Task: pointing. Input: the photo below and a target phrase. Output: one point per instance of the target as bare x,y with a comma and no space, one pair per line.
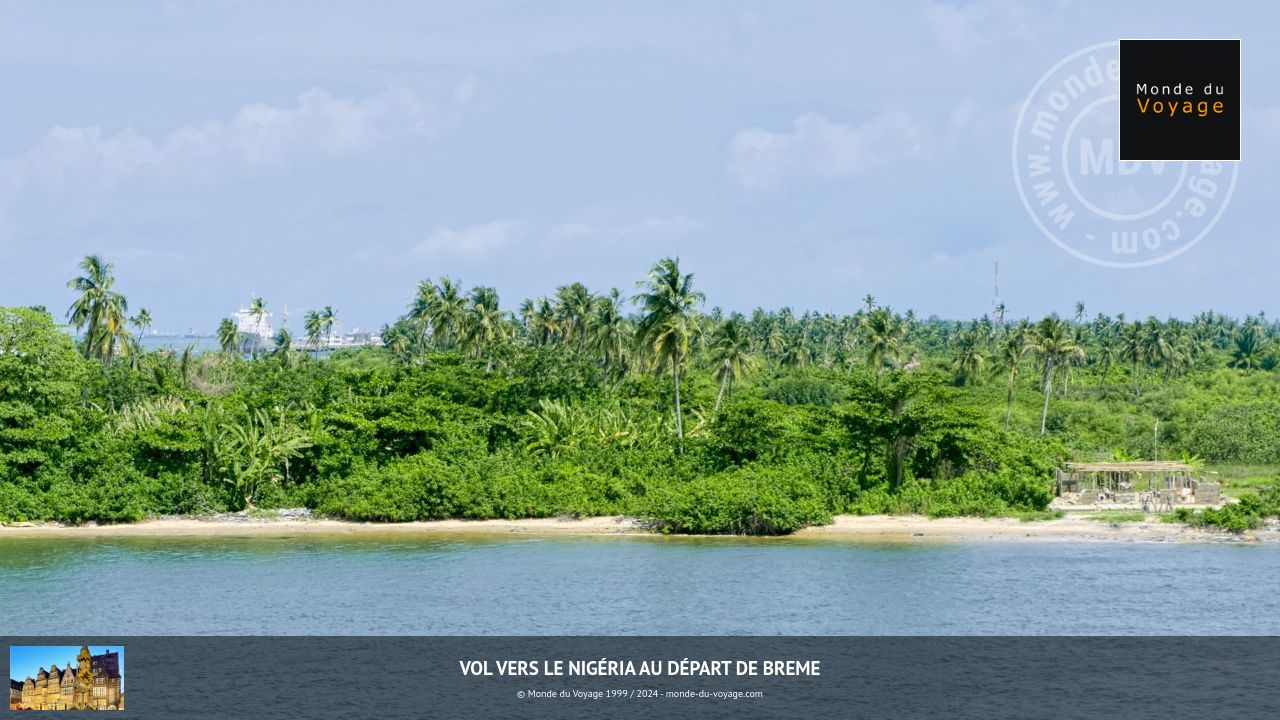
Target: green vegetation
1250,513
588,403
1117,516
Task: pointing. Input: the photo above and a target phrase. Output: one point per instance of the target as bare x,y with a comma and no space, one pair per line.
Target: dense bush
1248,514
976,494
742,501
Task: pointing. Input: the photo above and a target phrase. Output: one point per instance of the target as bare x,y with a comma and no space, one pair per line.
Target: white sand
909,528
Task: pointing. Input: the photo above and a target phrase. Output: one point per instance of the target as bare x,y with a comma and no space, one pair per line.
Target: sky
27,660
791,154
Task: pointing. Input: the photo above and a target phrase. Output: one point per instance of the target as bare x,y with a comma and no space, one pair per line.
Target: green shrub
805,391
1248,514
742,501
978,494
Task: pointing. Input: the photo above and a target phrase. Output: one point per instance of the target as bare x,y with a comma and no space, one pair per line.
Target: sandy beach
872,528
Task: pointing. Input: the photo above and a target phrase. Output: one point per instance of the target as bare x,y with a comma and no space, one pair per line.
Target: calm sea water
381,585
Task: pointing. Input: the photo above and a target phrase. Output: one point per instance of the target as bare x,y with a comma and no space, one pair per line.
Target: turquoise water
383,585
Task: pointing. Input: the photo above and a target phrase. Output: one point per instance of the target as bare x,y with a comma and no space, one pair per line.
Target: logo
1082,196
1180,99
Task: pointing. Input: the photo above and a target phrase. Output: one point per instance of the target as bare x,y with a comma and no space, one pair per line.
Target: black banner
692,677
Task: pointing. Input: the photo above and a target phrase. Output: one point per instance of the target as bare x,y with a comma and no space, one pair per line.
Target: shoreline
850,528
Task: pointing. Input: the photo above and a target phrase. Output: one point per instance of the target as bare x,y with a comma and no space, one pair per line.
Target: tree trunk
1008,412
675,374
1048,390
724,382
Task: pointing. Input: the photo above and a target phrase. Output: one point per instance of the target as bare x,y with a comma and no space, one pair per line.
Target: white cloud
257,135
476,241
817,147
1264,121
954,27
647,229
962,28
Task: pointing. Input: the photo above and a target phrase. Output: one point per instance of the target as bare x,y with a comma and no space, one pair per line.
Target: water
629,585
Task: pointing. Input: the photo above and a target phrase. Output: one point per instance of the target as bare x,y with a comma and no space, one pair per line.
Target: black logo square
1179,99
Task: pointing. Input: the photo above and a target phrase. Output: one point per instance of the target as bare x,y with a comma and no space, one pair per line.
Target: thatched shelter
1174,481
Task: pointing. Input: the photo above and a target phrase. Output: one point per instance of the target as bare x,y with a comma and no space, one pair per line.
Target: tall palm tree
542,324
574,305
608,331
1250,348
731,355
395,340
99,310
485,324
1011,350
313,325
1052,341
258,310
142,321
970,358
228,336
1134,349
328,319
668,304
1107,349
448,313
883,334
283,350
422,309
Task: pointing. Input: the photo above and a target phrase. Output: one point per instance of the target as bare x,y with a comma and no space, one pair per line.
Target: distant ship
254,328
257,331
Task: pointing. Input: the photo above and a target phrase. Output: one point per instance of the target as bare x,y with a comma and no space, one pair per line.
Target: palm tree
541,322
1080,311
883,333
1052,341
258,311
142,321
313,325
283,350
574,304
1011,350
421,309
99,310
1134,349
608,330
228,336
1108,350
1251,348
328,318
970,360
448,313
730,353
668,304
485,324
396,340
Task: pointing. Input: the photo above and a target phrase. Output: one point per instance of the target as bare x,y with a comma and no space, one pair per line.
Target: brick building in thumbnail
91,683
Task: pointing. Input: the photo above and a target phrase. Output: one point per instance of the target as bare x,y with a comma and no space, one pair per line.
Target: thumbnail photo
64,677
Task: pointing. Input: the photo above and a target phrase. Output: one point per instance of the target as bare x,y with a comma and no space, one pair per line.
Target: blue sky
800,154
26,660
